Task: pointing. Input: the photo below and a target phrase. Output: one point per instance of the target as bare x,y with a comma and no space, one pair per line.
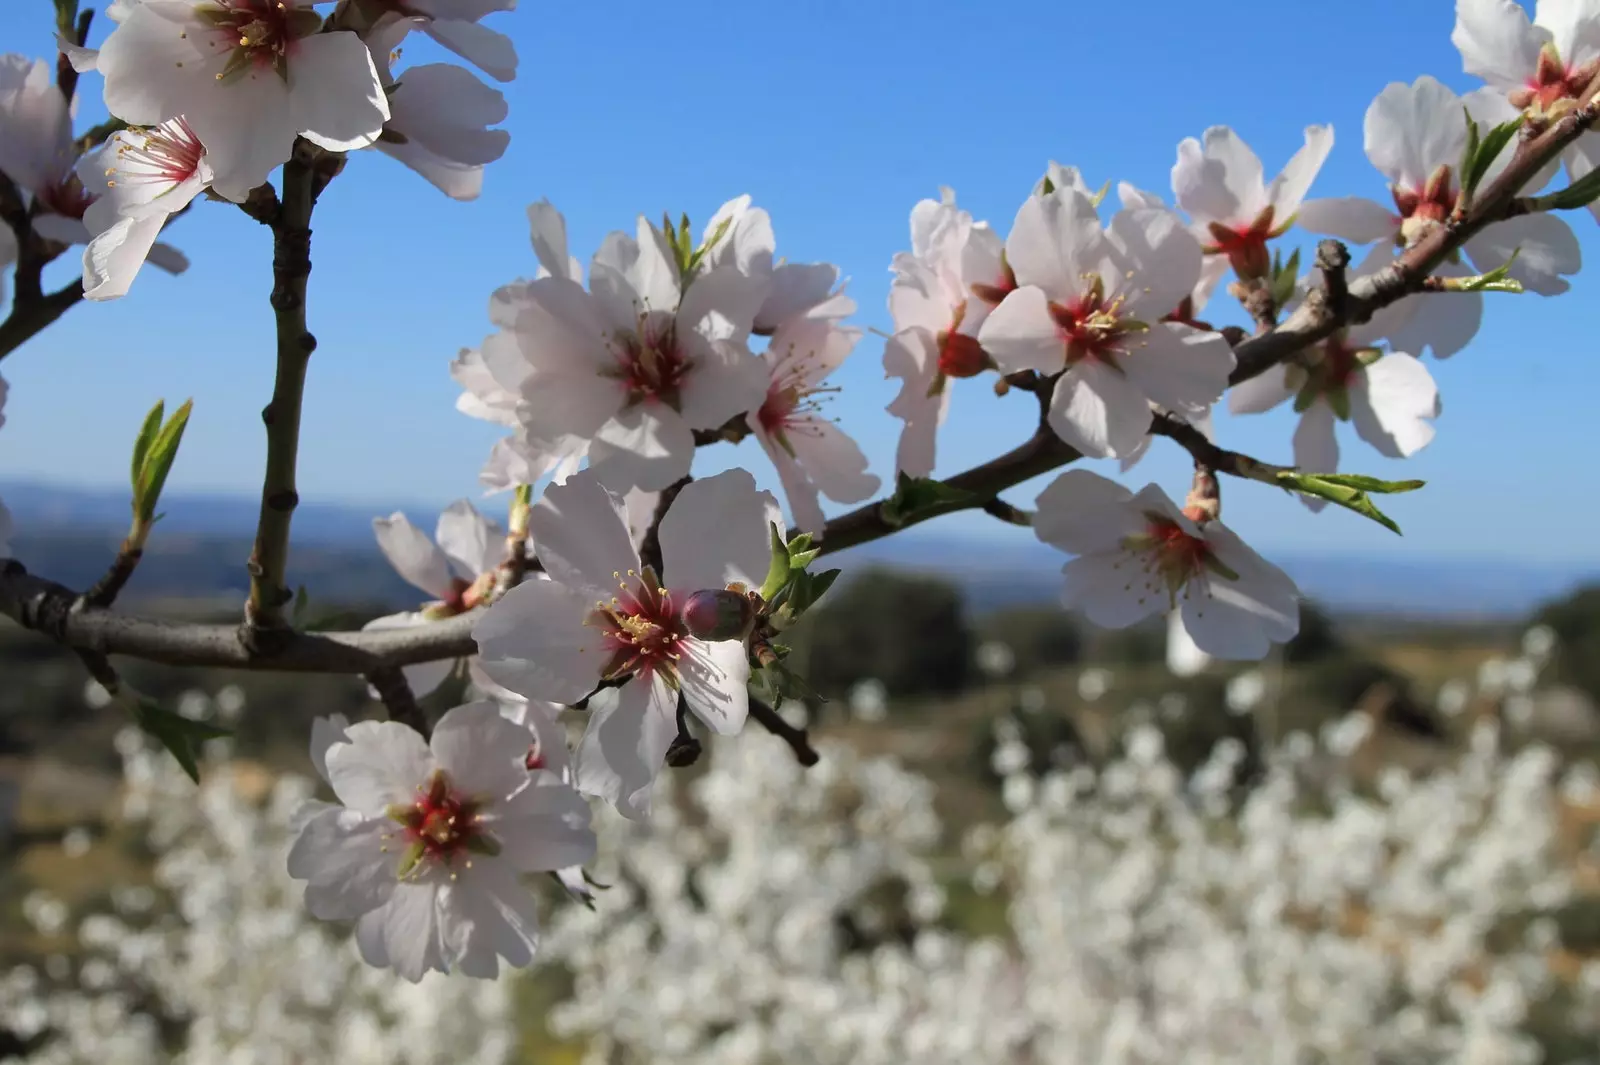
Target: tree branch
798,739
395,693
32,316
1212,457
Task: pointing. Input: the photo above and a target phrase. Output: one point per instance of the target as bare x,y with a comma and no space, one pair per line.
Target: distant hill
202,543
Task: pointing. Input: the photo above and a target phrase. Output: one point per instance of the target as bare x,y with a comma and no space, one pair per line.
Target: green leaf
1284,279
67,17
779,569
1349,491
1046,186
1474,139
917,496
810,587
1497,280
141,446
1100,197
1488,150
1580,193
163,450
176,733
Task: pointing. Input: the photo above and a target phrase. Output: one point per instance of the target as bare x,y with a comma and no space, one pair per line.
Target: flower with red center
813,456
943,289
1415,136
1089,313
1140,555
559,640
635,364
426,846
1234,210
248,76
1541,65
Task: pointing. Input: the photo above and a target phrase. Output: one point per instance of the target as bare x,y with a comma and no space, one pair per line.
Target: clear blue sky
836,117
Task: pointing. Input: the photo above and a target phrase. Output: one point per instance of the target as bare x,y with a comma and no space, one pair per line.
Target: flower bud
962,356
718,614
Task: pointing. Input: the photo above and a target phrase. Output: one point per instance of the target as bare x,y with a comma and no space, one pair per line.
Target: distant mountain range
69,534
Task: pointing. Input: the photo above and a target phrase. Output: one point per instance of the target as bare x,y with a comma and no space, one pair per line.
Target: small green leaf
1348,491
1046,186
917,496
1100,197
1497,280
810,588
1474,139
1580,193
779,569
1488,150
1339,400
147,435
178,734
158,462
799,560
1284,279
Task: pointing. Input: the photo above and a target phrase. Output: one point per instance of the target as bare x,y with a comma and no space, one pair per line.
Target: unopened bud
718,614
962,356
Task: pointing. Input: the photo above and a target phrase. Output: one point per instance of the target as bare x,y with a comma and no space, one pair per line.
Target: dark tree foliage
1575,619
1041,637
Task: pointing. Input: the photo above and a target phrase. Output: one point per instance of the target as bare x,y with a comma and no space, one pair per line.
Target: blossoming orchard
625,592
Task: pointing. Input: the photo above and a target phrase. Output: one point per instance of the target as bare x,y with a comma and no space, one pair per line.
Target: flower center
1425,208
67,198
1246,246
643,631
1554,88
1092,327
993,292
169,154
1169,559
650,362
257,33
440,828
1327,372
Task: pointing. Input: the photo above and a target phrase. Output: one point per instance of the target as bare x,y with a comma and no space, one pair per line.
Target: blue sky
836,117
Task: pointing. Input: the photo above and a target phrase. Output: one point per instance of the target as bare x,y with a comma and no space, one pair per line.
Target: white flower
425,848
248,75
1140,555
1415,136
454,24
37,150
454,571
1542,66
636,363
140,177
1092,302
811,453
943,289
1389,397
604,616
439,115
1221,186
744,238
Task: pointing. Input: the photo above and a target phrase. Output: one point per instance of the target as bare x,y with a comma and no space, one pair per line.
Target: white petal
383,763
1111,590
542,829
805,502
716,680
833,461
113,257
488,50
1352,218
1497,42
726,381
471,542
913,357
1289,188
1163,257
581,536
407,927
1219,181
446,110
481,751
1316,446
1054,240
1020,334
334,93
1393,403
1260,393
1082,513
1180,367
414,556
718,531
548,232
648,446
533,640
1445,322
1545,246
325,732
1241,619
340,853
1574,28
1098,410
1411,130
626,744
486,916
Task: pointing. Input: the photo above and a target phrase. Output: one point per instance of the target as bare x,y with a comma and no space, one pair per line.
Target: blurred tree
1040,637
1575,619
1318,638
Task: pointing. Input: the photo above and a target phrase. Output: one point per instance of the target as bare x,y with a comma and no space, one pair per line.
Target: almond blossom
454,25
943,289
1220,184
248,76
635,363
457,571
426,846
139,179
1388,395
1090,309
439,115
1140,555
1542,66
1415,136
741,235
811,453
605,617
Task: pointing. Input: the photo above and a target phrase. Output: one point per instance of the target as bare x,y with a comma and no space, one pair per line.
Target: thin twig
1333,258
798,739
650,548
394,691
1210,456
104,592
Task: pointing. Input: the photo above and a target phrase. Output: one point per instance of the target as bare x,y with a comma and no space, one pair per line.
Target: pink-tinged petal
472,543
334,93
1099,410
1083,513
1054,240
581,537
533,641
718,531
1261,393
913,357
383,763
1163,257
153,70
625,745
1497,42
488,50
543,829
1393,404
1180,367
806,350
1351,218
804,499
1412,130
482,751
325,732
648,446
833,461
424,677
1289,188
726,381
341,855
1574,28
547,230
1316,446
1220,180
1545,249
405,932
1021,335
716,682
1240,619
413,556
1112,591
